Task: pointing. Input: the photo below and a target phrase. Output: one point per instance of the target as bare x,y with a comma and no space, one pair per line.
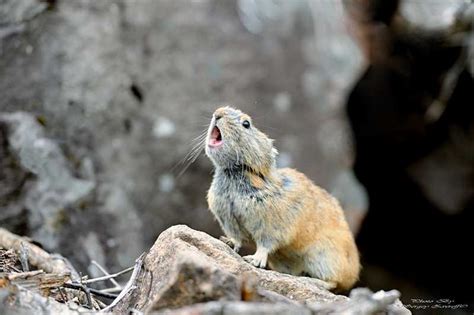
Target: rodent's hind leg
259,259
234,244
283,264
328,285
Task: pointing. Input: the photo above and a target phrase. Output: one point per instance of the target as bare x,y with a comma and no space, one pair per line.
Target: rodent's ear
274,152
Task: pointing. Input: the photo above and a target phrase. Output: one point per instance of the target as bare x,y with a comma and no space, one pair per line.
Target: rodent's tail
329,285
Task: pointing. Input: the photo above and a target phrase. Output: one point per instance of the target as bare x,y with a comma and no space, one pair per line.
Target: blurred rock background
121,88
101,100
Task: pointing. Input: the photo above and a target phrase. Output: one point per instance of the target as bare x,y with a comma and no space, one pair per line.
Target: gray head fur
242,143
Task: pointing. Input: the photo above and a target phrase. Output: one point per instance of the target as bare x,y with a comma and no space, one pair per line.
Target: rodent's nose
219,113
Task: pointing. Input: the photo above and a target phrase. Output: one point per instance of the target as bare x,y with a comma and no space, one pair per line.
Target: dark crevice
51,4
137,92
127,125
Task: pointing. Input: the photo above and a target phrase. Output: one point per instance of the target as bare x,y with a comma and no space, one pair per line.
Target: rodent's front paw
231,243
259,261
236,248
226,240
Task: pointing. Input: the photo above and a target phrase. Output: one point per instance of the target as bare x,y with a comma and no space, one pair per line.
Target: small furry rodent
297,227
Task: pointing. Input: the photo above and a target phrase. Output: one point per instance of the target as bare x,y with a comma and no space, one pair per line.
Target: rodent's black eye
246,124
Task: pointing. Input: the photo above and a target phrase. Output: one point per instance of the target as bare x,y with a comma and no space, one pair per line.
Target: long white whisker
192,154
200,137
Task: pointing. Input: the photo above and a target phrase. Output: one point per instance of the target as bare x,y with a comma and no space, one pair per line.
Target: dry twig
8,260
79,286
130,284
24,257
36,256
108,277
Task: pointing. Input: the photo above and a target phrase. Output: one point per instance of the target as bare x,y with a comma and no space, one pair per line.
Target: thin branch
36,256
13,276
109,276
112,290
101,304
79,286
23,256
86,290
130,284
74,273
63,297
105,272
103,294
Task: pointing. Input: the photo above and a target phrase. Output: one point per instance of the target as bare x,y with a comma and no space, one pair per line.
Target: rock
17,300
364,301
36,256
186,267
258,308
431,14
19,11
238,308
192,281
12,178
55,186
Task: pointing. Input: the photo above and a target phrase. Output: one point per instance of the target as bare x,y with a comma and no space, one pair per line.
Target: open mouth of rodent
215,139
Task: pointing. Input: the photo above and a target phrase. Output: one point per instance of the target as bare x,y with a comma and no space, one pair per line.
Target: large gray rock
187,267
19,11
55,187
238,308
16,300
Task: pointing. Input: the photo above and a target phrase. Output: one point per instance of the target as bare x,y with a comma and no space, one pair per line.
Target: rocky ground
185,272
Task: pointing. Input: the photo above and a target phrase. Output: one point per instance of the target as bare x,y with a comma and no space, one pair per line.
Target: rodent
298,228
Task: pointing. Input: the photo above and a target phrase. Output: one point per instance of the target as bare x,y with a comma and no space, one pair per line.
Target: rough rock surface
238,308
19,301
186,267
55,186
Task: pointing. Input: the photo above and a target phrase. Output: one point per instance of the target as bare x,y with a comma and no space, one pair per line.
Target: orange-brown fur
298,227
